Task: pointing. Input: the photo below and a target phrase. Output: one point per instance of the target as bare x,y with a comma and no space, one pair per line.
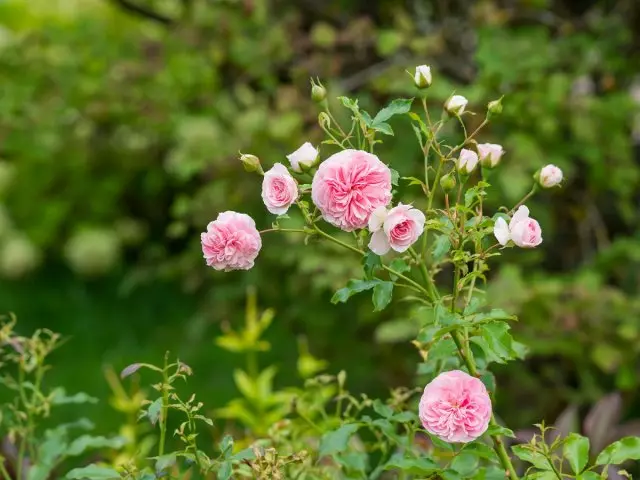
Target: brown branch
141,11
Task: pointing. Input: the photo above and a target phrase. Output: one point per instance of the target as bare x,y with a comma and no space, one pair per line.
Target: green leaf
588,476
576,451
246,454
353,287
618,452
370,263
414,466
494,430
225,471
440,248
387,130
398,106
544,475
88,442
465,463
444,349
164,462
226,446
395,176
381,409
337,440
350,104
400,266
353,461
154,410
382,293
93,472
59,397
537,459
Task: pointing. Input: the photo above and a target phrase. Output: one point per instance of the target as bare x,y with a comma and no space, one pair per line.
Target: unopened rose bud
422,77
456,105
303,158
318,92
490,154
494,108
251,163
448,182
467,161
549,176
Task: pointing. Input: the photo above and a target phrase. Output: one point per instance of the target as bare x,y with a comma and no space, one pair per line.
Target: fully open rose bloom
231,242
348,186
524,231
455,407
399,228
279,189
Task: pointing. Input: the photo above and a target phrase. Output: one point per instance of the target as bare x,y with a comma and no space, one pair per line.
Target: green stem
292,230
425,274
3,470
534,189
473,134
360,252
165,405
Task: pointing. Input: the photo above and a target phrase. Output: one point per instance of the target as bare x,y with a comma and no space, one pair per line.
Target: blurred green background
120,125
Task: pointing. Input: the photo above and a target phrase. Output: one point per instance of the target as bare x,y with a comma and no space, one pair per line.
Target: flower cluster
352,190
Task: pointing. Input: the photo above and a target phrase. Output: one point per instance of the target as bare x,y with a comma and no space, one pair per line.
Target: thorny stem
473,134
534,189
467,357
165,405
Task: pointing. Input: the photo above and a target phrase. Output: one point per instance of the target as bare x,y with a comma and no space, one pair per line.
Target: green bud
495,107
251,163
448,182
318,92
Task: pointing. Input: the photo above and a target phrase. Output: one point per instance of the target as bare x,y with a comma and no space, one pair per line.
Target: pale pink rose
279,189
348,186
550,176
467,161
455,407
524,231
303,157
490,154
399,228
231,242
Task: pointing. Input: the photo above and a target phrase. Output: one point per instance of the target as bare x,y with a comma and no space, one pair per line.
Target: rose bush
460,335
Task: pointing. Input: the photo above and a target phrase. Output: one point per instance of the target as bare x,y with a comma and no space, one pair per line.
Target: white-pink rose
231,242
467,161
303,157
397,229
455,407
279,189
490,154
550,176
522,230
348,186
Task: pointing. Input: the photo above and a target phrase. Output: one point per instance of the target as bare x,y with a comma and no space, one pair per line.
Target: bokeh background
120,127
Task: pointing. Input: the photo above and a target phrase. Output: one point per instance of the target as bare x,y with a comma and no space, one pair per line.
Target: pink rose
455,407
279,189
348,186
522,230
399,228
231,242
550,176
